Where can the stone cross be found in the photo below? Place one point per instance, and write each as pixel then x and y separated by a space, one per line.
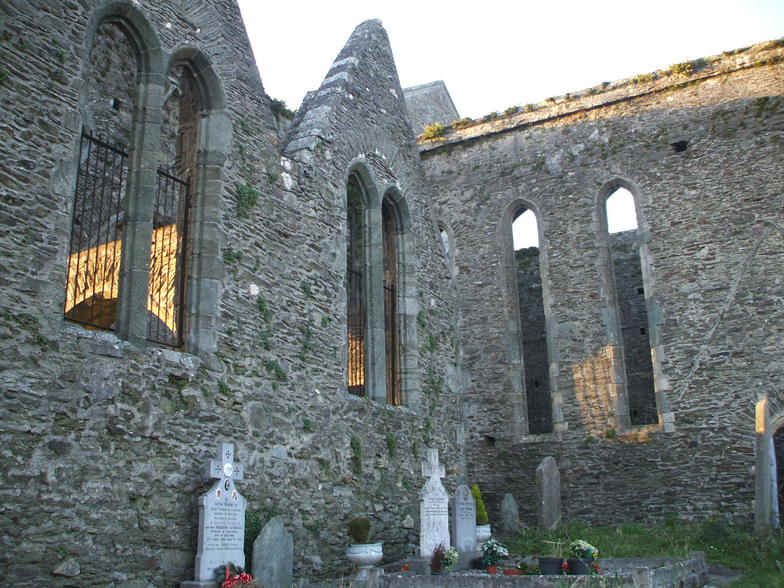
pixel 433 507
pixel 223 466
pixel 221 519
pixel 431 468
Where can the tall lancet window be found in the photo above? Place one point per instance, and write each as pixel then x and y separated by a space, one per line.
pixel 533 330
pixel 356 311
pixel 630 301
pixel 176 176
pixel 391 314
pixel 92 291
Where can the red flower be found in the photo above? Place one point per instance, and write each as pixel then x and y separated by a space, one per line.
pixel 595 568
pixel 230 580
pixel 564 568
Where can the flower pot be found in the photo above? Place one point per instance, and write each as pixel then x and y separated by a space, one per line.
pixel 512 572
pixel 550 566
pixel 483 533
pixel 579 566
pixel 492 569
pixel 365 555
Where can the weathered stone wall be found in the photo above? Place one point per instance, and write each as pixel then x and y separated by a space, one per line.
pixel 428 104
pixel 711 248
pixel 103 439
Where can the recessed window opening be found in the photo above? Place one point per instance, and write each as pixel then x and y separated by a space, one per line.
pixel 355 287
pixel 533 338
pixel 98 224
pixel 630 298
pixel 391 318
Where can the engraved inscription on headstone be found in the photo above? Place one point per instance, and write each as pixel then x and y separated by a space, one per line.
pixel 464 519
pixel 221 516
pixel 433 507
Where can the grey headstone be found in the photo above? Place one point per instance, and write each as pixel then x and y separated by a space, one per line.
pixel 510 518
pixel 464 519
pixel 221 517
pixel 273 555
pixel 548 486
pixel 433 507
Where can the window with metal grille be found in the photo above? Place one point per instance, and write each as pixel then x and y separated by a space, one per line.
pixel 391 320
pixel 93 278
pixel 166 293
pixel 356 314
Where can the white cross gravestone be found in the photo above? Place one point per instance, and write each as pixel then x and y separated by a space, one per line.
pixel 433 507
pixel 221 518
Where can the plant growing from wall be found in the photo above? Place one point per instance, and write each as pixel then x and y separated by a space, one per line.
pixel 391 444
pixel 433 131
pixel 462 123
pixel 261 304
pixel 279 107
pixel 481 511
pixel 356 455
pixel 273 367
pixel 247 197
pixel 230 256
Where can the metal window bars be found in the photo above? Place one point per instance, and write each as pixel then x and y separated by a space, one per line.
pixel 167 279
pixel 92 283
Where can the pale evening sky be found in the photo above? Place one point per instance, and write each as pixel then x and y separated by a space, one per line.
pixel 494 54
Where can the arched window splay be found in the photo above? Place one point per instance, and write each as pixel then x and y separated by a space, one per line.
pixel 389 223
pixel 143 183
pixel 629 302
pixel 356 312
pixel 98 229
pixel 176 177
pixel 533 330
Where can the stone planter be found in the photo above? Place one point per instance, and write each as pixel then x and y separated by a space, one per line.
pixel 550 566
pixel 579 566
pixel 364 555
pixel 483 533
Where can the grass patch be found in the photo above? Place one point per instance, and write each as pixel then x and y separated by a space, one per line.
pixel 762 557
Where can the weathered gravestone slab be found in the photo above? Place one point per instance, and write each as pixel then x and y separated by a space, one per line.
pixel 548 487
pixel 433 507
pixel 221 519
pixel 510 517
pixel 464 519
pixel 273 555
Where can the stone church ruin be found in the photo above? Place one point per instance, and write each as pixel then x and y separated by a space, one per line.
pixel 185 263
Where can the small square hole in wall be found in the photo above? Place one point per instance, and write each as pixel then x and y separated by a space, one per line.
pixel 489 441
pixel 642 330
pixel 116 103
pixel 640 291
pixel 536 383
pixel 679 146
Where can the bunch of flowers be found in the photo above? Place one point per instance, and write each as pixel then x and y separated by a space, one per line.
pixel 450 557
pixel 583 550
pixel 232 575
pixel 493 552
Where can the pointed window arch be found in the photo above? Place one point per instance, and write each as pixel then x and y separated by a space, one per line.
pixel 136 292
